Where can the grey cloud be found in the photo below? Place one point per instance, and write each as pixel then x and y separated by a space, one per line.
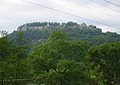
pixel 15 12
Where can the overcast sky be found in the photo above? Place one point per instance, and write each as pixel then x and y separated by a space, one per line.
pixel 16 12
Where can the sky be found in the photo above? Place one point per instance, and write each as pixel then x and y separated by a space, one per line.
pixel 14 13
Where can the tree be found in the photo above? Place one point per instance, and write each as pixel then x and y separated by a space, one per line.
pixel 5 52
pixel 20 57
pixel 105 59
pixel 79 50
pixel 13 59
pixel 53 62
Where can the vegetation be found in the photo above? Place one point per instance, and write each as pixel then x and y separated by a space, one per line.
pixel 59 57
pixel 90 34
pixel 13 65
pixel 57 61
pixel 106 60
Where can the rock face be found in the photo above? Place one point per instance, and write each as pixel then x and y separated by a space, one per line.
pixel 22 29
pixel 32 28
pixel 37 27
pixel 47 25
pixel 40 31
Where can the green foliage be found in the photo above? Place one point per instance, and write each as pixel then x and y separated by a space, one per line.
pixel 57 59
pixel 13 60
pixel 105 59
pixel 54 62
pixel 5 52
pixel 79 50
pixel 90 34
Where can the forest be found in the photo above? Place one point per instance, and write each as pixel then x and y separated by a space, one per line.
pixel 63 54
pixel 83 32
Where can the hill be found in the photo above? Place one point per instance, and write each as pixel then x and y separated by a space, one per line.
pixel 39 31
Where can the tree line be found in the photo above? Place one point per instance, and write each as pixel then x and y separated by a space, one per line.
pixel 58 61
pixel 83 32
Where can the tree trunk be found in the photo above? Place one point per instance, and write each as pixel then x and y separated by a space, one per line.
pixel 2 81
pixel 16 77
pixel 61 82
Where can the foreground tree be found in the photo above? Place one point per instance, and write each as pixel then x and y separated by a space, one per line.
pixel 55 62
pixel 13 60
pixel 105 62
pixel 20 58
pixel 5 52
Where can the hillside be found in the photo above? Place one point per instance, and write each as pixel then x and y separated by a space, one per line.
pixel 39 31
pixel 35 57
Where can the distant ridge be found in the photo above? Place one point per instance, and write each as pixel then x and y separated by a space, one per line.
pixel 46 25
pixel 40 31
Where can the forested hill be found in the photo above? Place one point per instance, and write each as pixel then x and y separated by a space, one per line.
pixel 39 31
